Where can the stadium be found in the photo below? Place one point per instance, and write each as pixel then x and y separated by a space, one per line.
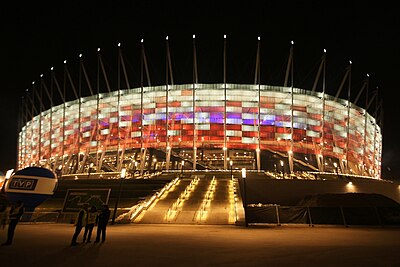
pixel 282 129
pixel 207 125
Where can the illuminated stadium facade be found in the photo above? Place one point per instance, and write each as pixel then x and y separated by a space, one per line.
pixel 204 126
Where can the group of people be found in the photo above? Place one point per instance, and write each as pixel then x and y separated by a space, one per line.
pixel 11 215
pixel 87 219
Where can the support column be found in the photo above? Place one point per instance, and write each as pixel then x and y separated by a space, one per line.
pixel 342 164
pixel 258 81
pixel 103 152
pixel 323 65
pixel 348 120
pixel 142 148
pixel 320 162
pixel 142 160
pixel 290 158
pixel 225 137
pixel 168 147
pixel 168 158
pixel 289 69
pixel 195 81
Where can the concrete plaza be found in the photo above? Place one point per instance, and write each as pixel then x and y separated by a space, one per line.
pixel 204 245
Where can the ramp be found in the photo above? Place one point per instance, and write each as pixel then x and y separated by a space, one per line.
pixel 197 199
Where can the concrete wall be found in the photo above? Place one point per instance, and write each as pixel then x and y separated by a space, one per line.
pixel 290 192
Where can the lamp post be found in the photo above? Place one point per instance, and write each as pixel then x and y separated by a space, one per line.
pixel 122 177
pixel 283 168
pixel 59 172
pixel 89 169
pixel 231 164
pixel 244 195
pixel 337 169
pixel 136 166
pixel 182 163
pixel 155 164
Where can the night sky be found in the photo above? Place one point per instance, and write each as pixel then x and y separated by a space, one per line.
pixel 36 37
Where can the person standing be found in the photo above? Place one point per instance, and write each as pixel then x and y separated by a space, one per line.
pixel 90 221
pixel 4 212
pixel 80 222
pixel 102 221
pixel 16 212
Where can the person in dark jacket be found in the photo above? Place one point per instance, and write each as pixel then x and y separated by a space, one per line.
pixel 102 221
pixel 15 215
pixel 80 222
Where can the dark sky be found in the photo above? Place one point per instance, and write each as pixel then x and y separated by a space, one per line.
pixel 36 37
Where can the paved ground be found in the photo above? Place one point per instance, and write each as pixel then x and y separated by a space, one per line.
pixel 204 245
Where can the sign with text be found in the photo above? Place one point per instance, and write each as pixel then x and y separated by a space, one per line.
pixel 76 198
pixel 23 184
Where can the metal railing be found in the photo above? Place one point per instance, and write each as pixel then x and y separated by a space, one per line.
pixel 341 215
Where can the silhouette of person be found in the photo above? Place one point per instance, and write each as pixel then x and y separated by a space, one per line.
pixel 16 212
pixel 102 221
pixel 4 213
pixel 80 222
pixel 90 221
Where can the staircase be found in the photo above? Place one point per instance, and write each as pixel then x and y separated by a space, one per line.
pixel 196 199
